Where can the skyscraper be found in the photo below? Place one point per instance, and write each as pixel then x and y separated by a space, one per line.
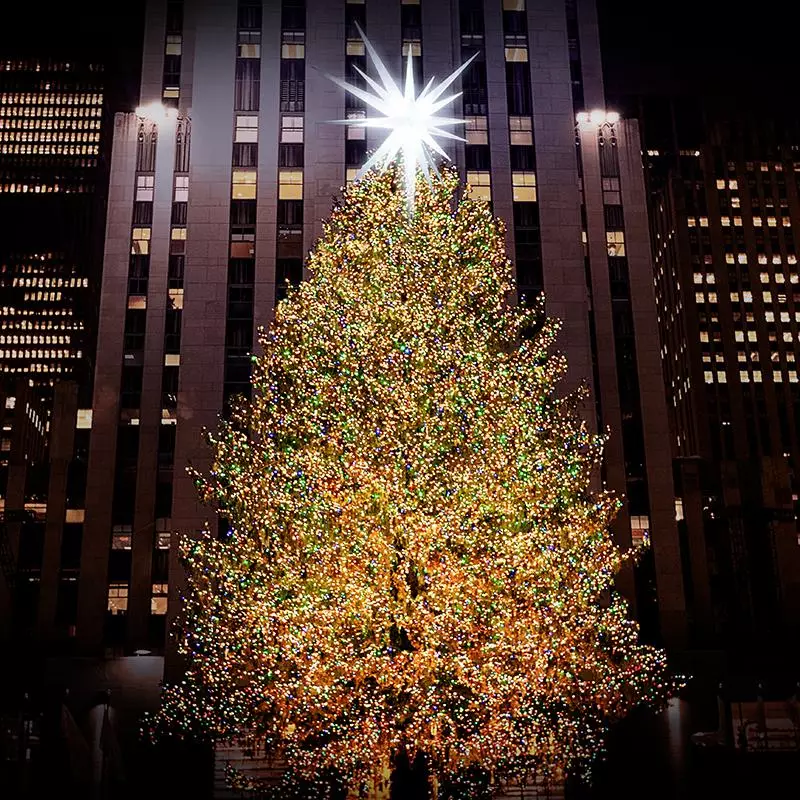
pixel 220 181
pixel 725 214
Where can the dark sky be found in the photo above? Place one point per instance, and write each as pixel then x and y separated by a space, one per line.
pixel 705 48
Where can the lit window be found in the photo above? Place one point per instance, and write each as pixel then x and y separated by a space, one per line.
pixel 739 336
pixel 11 402
pixel 178 234
pixel 516 54
pixel 172 359
pixel 720 184
pixel 412 47
pixel 767 297
pixel 764 277
pixel 355 132
pixel 703 336
pixel 640 527
pixel 699 297
pixel 698 277
pixel 736 202
pixel 137 301
pixel 751 336
pixel 744 376
pixel 171 92
pixel 524 187
pixel 163 539
pixel 758 222
pixel 246 129
pixel 141 241
pixel 772 222
pixel 708 376
pixel 729 258
pixel 84 419
pixel 703 222
pixel 712 297
pixel 691 222
pixel 477 130
pixel 711 277
pixel 244 184
pixel 121 537
pixel 75 515
pixel 722 377
pixel 118 598
pixel 734 297
pixel 737 221
pixel 521 130
pixel 144 188
pixel 351 175
pixel 726 222
pixel 786 222
pixel 615 241
pixel 293 50
pixel 290 184
pixel 480 185
pixel 181 188
pixel 757 375
pixel 513 5
pixel 742 258
pixel 769 316
pixel 174 45
pixel 158 601
pixel 777 376
pixel 792 376
pixel 355 47
pixel 292 130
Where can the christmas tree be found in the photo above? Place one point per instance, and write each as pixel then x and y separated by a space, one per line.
pixel 417 560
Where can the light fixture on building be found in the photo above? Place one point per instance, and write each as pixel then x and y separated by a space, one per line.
pixel 597 116
pixel 155 112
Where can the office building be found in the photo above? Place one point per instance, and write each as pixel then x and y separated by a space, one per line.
pixel 220 181
pixel 725 217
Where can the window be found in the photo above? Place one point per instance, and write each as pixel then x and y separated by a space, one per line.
pixel 477 130
pixel 513 5
pixel 75 515
pixel 520 130
pixel 178 234
pixel 524 187
pixel 516 54
pixel 118 598
pixel 292 130
pixel 144 188
pixel 290 184
pixel 480 185
pixel 141 241
pixel 356 132
pixel 351 175
pixel 355 47
pixel 244 184
pixel 158 601
pixel 615 241
pixel 249 44
pixel 246 129
pixel 181 188
pixel 174 45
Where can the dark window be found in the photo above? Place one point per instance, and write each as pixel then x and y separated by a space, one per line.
pixel 142 213
pixel 290 155
pixel 245 154
pixel 166 445
pixel 477 157
pixel 179 211
pixel 518 89
pixel 175 271
pixel 131 391
pixel 249 16
pixel 614 218
pixel 248 84
pixel 172 331
pixel 138 272
pixel 523 157
pixel 169 387
pixel 134 329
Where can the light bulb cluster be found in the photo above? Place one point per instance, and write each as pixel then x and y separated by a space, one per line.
pixel 417 562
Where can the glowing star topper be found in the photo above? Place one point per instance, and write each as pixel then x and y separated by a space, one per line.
pixel 411 119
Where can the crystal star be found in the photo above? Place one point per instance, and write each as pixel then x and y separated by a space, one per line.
pixel 411 119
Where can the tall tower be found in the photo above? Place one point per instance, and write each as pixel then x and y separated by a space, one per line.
pixel 219 185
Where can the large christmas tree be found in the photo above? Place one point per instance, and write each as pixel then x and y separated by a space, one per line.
pixel 417 560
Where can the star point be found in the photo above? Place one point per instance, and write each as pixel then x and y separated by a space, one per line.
pixel 412 120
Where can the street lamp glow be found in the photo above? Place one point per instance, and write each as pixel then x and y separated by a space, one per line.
pixel 412 119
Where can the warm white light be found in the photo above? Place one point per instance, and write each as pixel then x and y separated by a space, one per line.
pixel 411 119
pixel 597 117
pixel 582 117
pixel 612 117
pixel 154 112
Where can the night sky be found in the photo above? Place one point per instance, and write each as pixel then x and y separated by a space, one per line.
pixel 695 47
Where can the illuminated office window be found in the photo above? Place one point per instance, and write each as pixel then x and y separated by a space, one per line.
pixel 246 129
pixel 476 130
pixel 290 184
pixel 118 598
pixel 144 188
pixel 615 241
pixel 244 184
pixel 520 130
pixel 292 130
pixel 480 185
pixel 524 187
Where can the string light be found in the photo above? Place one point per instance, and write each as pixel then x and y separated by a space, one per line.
pixel 417 561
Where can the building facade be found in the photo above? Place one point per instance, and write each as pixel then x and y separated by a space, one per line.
pixel 725 214
pixel 52 121
pixel 220 181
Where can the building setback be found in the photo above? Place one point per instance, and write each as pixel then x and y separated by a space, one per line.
pixel 219 184
pixel 725 218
